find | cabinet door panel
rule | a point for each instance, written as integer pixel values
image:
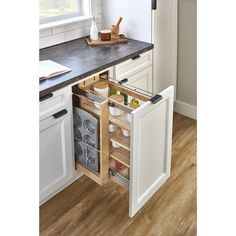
(56, 158)
(150, 149)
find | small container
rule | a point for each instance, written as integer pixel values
(115, 144)
(114, 110)
(101, 88)
(112, 128)
(113, 91)
(125, 132)
(105, 35)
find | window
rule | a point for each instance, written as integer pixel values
(54, 10)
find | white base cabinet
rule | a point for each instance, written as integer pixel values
(56, 148)
(143, 161)
(137, 71)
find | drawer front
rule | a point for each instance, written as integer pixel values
(142, 79)
(134, 65)
(54, 102)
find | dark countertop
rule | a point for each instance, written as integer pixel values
(86, 60)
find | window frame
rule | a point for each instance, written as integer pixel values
(84, 5)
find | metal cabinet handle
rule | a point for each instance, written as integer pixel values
(60, 114)
(45, 97)
(155, 99)
(135, 57)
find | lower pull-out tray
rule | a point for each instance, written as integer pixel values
(119, 174)
(119, 179)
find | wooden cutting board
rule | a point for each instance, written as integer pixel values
(114, 40)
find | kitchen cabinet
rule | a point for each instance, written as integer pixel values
(56, 147)
(137, 71)
(143, 160)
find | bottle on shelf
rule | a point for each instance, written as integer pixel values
(113, 91)
(134, 103)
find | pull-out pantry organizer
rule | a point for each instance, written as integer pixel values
(136, 153)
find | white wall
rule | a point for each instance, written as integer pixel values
(69, 31)
(187, 52)
(136, 16)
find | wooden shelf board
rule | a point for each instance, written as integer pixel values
(89, 105)
(122, 140)
(120, 121)
(121, 155)
(92, 175)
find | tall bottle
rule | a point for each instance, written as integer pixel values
(93, 30)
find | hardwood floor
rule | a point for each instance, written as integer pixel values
(87, 209)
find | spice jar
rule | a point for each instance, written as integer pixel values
(114, 110)
(101, 88)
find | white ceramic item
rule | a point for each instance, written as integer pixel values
(102, 89)
(125, 132)
(115, 111)
(115, 144)
(112, 128)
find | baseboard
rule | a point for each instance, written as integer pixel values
(185, 109)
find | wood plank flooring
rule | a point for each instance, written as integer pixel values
(87, 209)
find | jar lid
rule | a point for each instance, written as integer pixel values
(105, 31)
(101, 85)
(117, 98)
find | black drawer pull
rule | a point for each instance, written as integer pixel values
(155, 99)
(136, 57)
(45, 97)
(123, 81)
(154, 4)
(60, 114)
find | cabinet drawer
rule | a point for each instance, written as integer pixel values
(53, 102)
(133, 65)
(142, 79)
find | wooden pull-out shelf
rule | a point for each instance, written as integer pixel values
(121, 155)
(120, 121)
(85, 97)
(119, 138)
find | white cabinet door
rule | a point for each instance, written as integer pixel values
(56, 156)
(151, 149)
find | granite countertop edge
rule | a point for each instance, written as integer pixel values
(74, 79)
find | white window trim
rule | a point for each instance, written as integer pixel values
(90, 9)
(64, 22)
